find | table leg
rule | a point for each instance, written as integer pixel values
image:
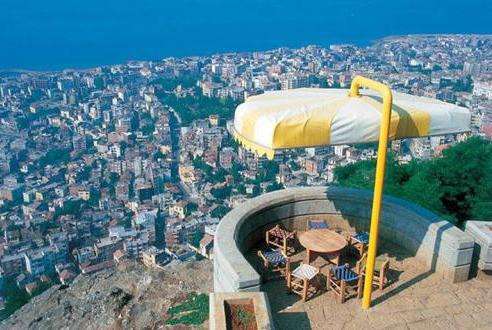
(337, 259)
(308, 256)
(334, 258)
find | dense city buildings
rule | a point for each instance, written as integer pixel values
(136, 161)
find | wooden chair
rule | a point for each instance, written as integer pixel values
(342, 281)
(359, 241)
(275, 261)
(381, 267)
(279, 238)
(316, 224)
(300, 281)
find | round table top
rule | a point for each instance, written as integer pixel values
(322, 240)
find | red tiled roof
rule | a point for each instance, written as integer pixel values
(118, 254)
(67, 274)
(97, 267)
(206, 240)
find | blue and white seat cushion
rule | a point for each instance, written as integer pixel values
(305, 271)
(345, 273)
(274, 257)
(362, 237)
(318, 225)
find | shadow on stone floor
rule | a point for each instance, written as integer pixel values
(281, 303)
(400, 288)
(420, 277)
(296, 320)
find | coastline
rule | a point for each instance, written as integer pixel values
(389, 38)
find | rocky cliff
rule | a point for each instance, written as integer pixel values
(130, 297)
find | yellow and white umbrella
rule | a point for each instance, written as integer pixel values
(318, 117)
(310, 117)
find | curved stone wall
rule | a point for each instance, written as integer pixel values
(440, 245)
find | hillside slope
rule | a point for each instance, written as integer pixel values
(132, 297)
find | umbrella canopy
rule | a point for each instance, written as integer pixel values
(310, 117)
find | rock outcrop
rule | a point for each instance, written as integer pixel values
(132, 297)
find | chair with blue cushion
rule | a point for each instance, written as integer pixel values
(343, 281)
(359, 241)
(275, 261)
(317, 224)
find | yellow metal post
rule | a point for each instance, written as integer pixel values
(357, 82)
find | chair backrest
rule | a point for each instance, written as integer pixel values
(362, 237)
(381, 262)
(279, 232)
(317, 224)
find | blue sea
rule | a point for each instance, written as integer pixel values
(59, 34)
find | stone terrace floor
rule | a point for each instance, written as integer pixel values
(414, 299)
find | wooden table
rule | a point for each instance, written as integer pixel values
(322, 241)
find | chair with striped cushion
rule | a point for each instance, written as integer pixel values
(342, 281)
(316, 224)
(300, 281)
(280, 238)
(275, 261)
(381, 267)
(359, 241)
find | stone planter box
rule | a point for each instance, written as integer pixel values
(219, 303)
(481, 232)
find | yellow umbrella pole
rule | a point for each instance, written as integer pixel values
(357, 82)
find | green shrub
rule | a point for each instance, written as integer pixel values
(193, 311)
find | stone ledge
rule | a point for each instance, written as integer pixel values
(481, 232)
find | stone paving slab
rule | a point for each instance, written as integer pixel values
(416, 299)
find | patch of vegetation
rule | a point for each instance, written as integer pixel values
(194, 107)
(15, 297)
(193, 311)
(245, 317)
(274, 186)
(220, 211)
(200, 164)
(169, 84)
(72, 207)
(464, 85)
(458, 186)
(293, 166)
(190, 208)
(55, 156)
(85, 174)
(197, 237)
(219, 175)
(270, 170)
(236, 171)
(221, 193)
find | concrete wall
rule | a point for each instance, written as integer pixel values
(440, 245)
(481, 232)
